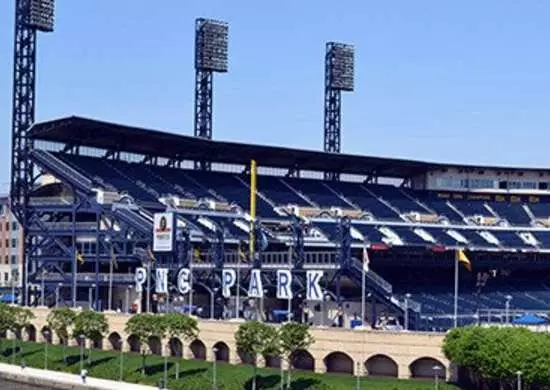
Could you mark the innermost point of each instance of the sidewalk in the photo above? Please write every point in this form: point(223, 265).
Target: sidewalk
point(61, 380)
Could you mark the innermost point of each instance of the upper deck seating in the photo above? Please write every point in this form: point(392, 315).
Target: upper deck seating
point(355, 193)
point(317, 192)
point(514, 213)
point(397, 198)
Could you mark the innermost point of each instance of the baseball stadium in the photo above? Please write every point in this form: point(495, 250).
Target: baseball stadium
point(129, 219)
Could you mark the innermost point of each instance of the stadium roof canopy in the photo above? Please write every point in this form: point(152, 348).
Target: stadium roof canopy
point(78, 131)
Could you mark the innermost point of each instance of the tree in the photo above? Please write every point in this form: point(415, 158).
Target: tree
point(61, 320)
point(293, 336)
point(21, 317)
point(91, 324)
point(181, 326)
point(256, 338)
point(144, 326)
point(6, 318)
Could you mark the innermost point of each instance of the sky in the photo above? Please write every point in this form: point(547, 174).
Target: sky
point(464, 81)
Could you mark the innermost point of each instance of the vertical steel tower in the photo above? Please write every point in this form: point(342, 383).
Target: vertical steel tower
point(339, 76)
point(31, 16)
point(211, 42)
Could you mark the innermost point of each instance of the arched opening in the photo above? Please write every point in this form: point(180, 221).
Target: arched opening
point(134, 343)
point(176, 347)
point(244, 357)
point(381, 365)
point(155, 346)
point(339, 362)
point(30, 330)
point(302, 360)
point(427, 367)
point(222, 351)
point(272, 361)
point(97, 343)
point(46, 334)
point(115, 341)
point(198, 350)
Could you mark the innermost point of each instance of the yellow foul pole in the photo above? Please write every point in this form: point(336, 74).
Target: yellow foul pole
point(253, 171)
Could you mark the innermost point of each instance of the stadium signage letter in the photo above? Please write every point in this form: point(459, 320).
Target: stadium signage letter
point(313, 289)
point(140, 277)
point(284, 284)
point(161, 280)
point(229, 278)
point(255, 288)
point(184, 285)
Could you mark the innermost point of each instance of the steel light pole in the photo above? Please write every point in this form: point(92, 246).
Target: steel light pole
point(407, 297)
point(90, 296)
point(214, 373)
point(43, 287)
point(437, 370)
point(82, 340)
point(358, 377)
point(128, 299)
point(518, 374)
point(507, 308)
point(46, 334)
point(57, 288)
point(121, 376)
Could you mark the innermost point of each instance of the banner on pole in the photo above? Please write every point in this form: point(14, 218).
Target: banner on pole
point(229, 278)
point(163, 232)
point(284, 284)
point(161, 283)
point(255, 289)
point(313, 288)
point(183, 279)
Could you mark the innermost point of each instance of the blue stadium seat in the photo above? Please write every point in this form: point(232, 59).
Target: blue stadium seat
point(317, 192)
point(510, 239)
point(396, 198)
point(512, 212)
point(408, 236)
point(441, 236)
point(442, 208)
point(540, 210)
point(356, 194)
point(472, 207)
point(475, 239)
point(371, 234)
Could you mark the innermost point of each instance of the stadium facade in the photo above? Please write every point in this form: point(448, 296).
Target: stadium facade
point(91, 216)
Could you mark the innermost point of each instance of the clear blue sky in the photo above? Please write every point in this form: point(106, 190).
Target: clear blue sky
point(453, 81)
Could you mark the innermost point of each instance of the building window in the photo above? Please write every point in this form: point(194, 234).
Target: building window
point(7, 226)
point(6, 259)
point(14, 226)
point(7, 243)
point(14, 242)
point(13, 259)
point(6, 277)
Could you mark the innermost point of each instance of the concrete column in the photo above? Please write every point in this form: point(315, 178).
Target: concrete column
point(165, 347)
point(260, 362)
point(125, 345)
point(403, 371)
point(319, 366)
point(233, 356)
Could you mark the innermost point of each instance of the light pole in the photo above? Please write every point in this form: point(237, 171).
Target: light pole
point(214, 373)
point(82, 340)
point(57, 288)
point(407, 297)
point(43, 287)
point(165, 371)
point(518, 374)
point(121, 376)
point(358, 376)
point(46, 333)
point(128, 299)
point(436, 369)
point(90, 296)
point(507, 308)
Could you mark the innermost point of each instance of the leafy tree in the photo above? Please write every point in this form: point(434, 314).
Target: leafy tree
point(61, 320)
point(21, 317)
point(6, 318)
point(293, 336)
point(144, 326)
point(91, 324)
point(256, 338)
point(181, 326)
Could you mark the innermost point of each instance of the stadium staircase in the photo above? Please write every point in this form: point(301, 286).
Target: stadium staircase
point(62, 170)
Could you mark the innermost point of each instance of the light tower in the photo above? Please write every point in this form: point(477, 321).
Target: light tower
point(339, 76)
point(31, 16)
point(211, 41)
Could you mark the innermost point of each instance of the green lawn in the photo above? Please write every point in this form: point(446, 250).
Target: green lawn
point(193, 374)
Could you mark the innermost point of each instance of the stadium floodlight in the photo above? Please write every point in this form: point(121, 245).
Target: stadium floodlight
point(41, 15)
point(211, 45)
point(340, 60)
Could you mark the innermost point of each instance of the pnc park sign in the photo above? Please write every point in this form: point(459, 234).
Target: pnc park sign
point(229, 280)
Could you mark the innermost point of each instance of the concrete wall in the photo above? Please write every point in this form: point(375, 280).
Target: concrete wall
point(399, 354)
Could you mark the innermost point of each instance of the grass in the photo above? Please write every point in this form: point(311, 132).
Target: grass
point(193, 374)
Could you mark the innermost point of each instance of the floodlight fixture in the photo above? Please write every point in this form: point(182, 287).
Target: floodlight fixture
point(40, 15)
point(211, 45)
point(340, 58)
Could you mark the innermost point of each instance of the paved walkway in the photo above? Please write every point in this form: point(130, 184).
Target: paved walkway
point(63, 380)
